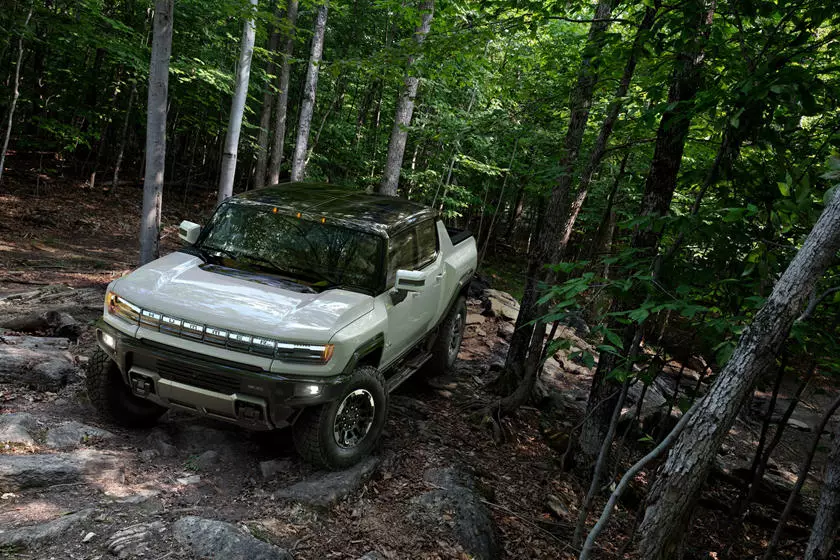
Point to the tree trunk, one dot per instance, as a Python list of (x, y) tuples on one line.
[(598, 150), (237, 107), (405, 107), (308, 104), (15, 92), (265, 115), (828, 512), (547, 250), (800, 479), (283, 94), (656, 202), (672, 497), (156, 130), (123, 137)]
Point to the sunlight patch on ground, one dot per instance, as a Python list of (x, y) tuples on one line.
[(36, 511)]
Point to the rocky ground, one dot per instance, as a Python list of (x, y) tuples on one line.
[(72, 486)]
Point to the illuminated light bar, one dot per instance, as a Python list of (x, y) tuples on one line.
[(236, 341)]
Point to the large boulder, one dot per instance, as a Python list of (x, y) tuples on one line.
[(34, 471), (216, 540), (18, 427), (326, 489), (24, 537), (41, 363), (455, 502), (72, 433), (502, 304)]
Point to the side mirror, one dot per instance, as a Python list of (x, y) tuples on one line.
[(188, 232), (410, 281)]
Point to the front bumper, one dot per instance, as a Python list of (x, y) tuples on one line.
[(243, 394)]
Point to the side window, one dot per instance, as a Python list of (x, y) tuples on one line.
[(426, 243), (402, 254)]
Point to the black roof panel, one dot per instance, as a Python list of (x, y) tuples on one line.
[(355, 209)]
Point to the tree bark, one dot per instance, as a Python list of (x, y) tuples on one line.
[(310, 88), (828, 512), (405, 107), (156, 130), (546, 248), (237, 107), (15, 92), (265, 115), (672, 496), (283, 95), (656, 201)]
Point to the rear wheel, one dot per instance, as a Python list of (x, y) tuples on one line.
[(338, 434), (113, 399), (448, 342)]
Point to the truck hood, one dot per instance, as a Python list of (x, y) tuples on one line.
[(179, 286)]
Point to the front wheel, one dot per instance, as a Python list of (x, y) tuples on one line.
[(338, 434), (112, 397)]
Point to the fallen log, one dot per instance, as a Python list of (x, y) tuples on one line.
[(51, 323)]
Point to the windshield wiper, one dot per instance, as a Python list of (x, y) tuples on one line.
[(235, 256)]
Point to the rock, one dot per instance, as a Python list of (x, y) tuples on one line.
[(207, 460), (475, 319), (199, 437), (408, 407), (53, 323), (556, 506), (215, 540), (18, 427), (160, 441), (799, 425), (270, 469), (32, 471), (71, 434), (326, 489), (88, 537), (133, 541), (189, 480), (38, 362), (506, 330), (502, 304), (24, 537), (372, 555), (654, 404), (456, 499), (149, 455)]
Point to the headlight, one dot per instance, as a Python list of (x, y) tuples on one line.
[(122, 308), (320, 354)]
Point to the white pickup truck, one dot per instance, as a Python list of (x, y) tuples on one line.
[(299, 304)]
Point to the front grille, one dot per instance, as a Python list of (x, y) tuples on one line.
[(203, 379)]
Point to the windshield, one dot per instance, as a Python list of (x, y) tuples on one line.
[(318, 254)]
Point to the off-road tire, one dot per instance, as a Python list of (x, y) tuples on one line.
[(443, 358), (313, 431), (112, 397)]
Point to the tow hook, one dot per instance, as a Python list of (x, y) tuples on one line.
[(143, 386), (249, 412)]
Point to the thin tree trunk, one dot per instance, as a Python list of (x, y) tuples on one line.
[(828, 512), (308, 104), (547, 248), (265, 115), (156, 130), (672, 496), (237, 107), (405, 108), (800, 479), (598, 150), (15, 92), (656, 202), (123, 137), (283, 94)]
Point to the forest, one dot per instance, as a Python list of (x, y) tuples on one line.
[(653, 338)]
